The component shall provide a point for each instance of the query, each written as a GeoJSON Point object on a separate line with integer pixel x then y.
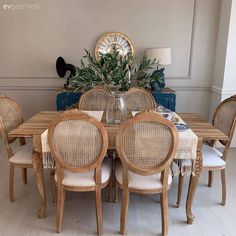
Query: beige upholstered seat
{"type": "Point", "coordinates": [11, 118]}
{"type": "Point", "coordinates": [150, 182]}
{"type": "Point", "coordinates": [139, 100]}
{"type": "Point", "coordinates": [224, 119]}
{"type": "Point", "coordinates": [146, 146]}
{"type": "Point", "coordinates": [79, 144]}
{"type": "Point", "coordinates": [23, 155]}
{"type": "Point", "coordinates": [94, 99]}
{"type": "Point", "coordinates": [211, 157]}
{"type": "Point", "coordinates": [86, 179]}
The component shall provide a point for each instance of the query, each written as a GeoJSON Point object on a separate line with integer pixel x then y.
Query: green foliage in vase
{"type": "Point", "coordinates": [112, 69]}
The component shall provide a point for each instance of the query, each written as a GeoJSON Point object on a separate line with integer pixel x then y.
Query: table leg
{"type": "Point", "coordinates": [38, 169]}
{"type": "Point", "coordinates": [193, 183]}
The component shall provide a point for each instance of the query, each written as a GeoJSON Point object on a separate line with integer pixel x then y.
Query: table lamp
{"type": "Point", "coordinates": [163, 58]}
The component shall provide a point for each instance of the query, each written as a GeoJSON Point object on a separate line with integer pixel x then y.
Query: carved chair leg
{"type": "Point", "coordinates": [110, 189]}
{"type": "Point", "coordinates": [210, 178]}
{"type": "Point", "coordinates": [66, 196]}
{"type": "Point", "coordinates": [124, 210]}
{"type": "Point", "coordinates": [111, 155]}
{"type": "Point", "coordinates": [223, 180]}
{"type": "Point", "coordinates": [180, 189]}
{"type": "Point", "coordinates": [11, 183]}
{"type": "Point", "coordinates": [98, 201]}
{"type": "Point", "coordinates": [24, 175]}
{"type": "Point", "coordinates": [164, 212]}
{"type": "Point", "coordinates": [60, 208]}
{"type": "Point", "coordinates": [53, 187]}
{"type": "Point", "coordinates": [116, 188]}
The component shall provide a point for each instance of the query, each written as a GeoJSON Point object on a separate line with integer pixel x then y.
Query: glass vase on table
{"type": "Point", "coordinates": [116, 112]}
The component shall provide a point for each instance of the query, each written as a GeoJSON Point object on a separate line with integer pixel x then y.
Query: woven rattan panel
{"type": "Point", "coordinates": [146, 144]}
{"type": "Point", "coordinates": [78, 143]}
{"type": "Point", "coordinates": [94, 100]}
{"type": "Point", "coordinates": [138, 102]}
{"type": "Point", "coordinates": [9, 114]}
{"type": "Point", "coordinates": [225, 116]}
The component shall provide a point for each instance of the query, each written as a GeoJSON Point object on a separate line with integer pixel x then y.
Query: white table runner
{"type": "Point", "coordinates": [186, 149]}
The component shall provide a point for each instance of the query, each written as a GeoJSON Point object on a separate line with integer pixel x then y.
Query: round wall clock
{"type": "Point", "coordinates": [106, 43]}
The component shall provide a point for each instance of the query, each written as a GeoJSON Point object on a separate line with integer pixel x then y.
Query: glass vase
{"type": "Point", "coordinates": [116, 112]}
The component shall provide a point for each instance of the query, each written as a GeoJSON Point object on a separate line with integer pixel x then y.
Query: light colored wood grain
{"type": "Point", "coordinates": [11, 117]}
{"type": "Point", "coordinates": [222, 129]}
{"type": "Point", "coordinates": [19, 218]}
{"type": "Point", "coordinates": [203, 129]}
{"type": "Point", "coordinates": [76, 165]}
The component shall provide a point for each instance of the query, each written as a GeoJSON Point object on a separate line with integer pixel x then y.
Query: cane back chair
{"type": "Point", "coordinates": [139, 100]}
{"type": "Point", "coordinates": [146, 145]}
{"type": "Point", "coordinates": [78, 144]}
{"type": "Point", "coordinates": [11, 118]}
{"type": "Point", "coordinates": [224, 119]}
{"type": "Point", "coordinates": [95, 99]}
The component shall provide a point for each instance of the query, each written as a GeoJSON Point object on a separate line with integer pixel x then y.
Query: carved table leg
{"type": "Point", "coordinates": [38, 169]}
{"type": "Point", "coordinates": [193, 183]}
{"type": "Point", "coordinates": [53, 187]}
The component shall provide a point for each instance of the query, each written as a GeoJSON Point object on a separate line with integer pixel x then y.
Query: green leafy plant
{"type": "Point", "coordinates": [112, 69]}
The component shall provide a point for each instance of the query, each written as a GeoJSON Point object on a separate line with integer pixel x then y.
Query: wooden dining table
{"type": "Point", "coordinates": [36, 125]}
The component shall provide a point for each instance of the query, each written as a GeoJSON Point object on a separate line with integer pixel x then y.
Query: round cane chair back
{"type": "Point", "coordinates": [78, 142]}
{"type": "Point", "coordinates": [225, 117]}
{"type": "Point", "coordinates": [95, 99]}
{"type": "Point", "coordinates": [139, 100]}
{"type": "Point", "coordinates": [146, 144]}
{"type": "Point", "coordinates": [10, 115]}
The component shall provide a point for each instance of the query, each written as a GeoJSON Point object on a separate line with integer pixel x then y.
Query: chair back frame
{"type": "Point", "coordinates": [148, 95]}
{"type": "Point", "coordinates": [232, 126]}
{"type": "Point", "coordinates": [7, 141]}
{"type": "Point", "coordinates": [147, 117]}
{"type": "Point", "coordinates": [96, 89]}
{"type": "Point", "coordinates": [75, 114]}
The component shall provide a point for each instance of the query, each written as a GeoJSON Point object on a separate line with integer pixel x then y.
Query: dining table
{"type": "Point", "coordinates": [35, 126]}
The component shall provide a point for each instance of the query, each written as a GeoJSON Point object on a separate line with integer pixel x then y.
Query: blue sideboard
{"type": "Point", "coordinates": [166, 97]}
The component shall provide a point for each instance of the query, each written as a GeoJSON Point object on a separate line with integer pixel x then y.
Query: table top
{"type": "Point", "coordinates": [37, 124]}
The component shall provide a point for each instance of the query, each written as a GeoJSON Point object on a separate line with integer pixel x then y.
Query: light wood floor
{"type": "Point", "coordinates": [19, 218]}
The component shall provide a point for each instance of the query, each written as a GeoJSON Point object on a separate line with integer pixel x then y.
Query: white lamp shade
{"type": "Point", "coordinates": [162, 55]}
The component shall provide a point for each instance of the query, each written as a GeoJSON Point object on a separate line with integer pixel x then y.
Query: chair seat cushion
{"type": "Point", "coordinates": [23, 155]}
{"type": "Point", "coordinates": [86, 179]}
{"type": "Point", "coordinates": [211, 158]}
{"type": "Point", "coordinates": [136, 181]}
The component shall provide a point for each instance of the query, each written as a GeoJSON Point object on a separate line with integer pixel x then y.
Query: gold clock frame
{"type": "Point", "coordinates": [96, 51]}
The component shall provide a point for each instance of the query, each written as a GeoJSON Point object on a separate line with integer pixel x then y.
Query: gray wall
{"type": "Point", "coordinates": [31, 40]}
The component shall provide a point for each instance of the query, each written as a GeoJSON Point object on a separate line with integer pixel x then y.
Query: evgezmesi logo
{"type": "Point", "coordinates": [17, 5]}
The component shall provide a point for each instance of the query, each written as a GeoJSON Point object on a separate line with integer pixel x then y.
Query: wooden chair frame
{"type": "Point", "coordinates": [224, 157]}
{"type": "Point", "coordinates": [162, 168]}
{"type": "Point", "coordinates": [61, 166]}
{"type": "Point", "coordinates": [7, 141]}
{"type": "Point", "coordinates": [152, 102]}
{"type": "Point", "coordinates": [82, 100]}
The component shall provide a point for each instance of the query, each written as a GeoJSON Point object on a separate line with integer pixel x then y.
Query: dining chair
{"type": "Point", "coordinates": [139, 100]}
{"type": "Point", "coordinates": [11, 118]}
{"type": "Point", "coordinates": [224, 118]}
{"type": "Point", "coordinates": [78, 143]}
{"type": "Point", "coordinates": [94, 99]}
{"type": "Point", "coordinates": [146, 145]}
